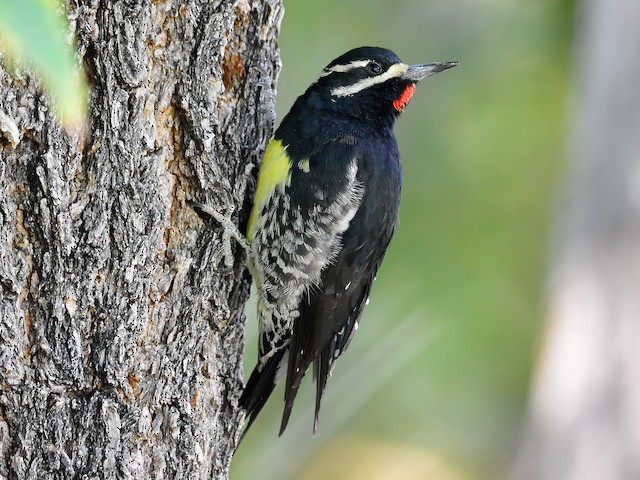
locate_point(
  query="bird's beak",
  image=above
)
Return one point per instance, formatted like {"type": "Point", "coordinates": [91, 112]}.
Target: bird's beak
{"type": "Point", "coordinates": [415, 73]}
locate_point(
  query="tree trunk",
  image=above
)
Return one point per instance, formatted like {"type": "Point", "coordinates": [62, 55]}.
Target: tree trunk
{"type": "Point", "coordinates": [585, 412]}
{"type": "Point", "coordinates": [121, 328]}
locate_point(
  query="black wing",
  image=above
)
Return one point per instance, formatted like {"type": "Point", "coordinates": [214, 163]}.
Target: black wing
{"type": "Point", "coordinates": [330, 313]}
{"type": "Point", "coordinates": [315, 210]}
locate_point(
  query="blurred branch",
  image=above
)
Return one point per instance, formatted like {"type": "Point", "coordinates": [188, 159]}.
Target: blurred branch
{"type": "Point", "coordinates": [585, 410]}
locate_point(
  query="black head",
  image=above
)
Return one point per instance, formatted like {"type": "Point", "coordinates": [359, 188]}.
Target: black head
{"type": "Point", "coordinates": [369, 81]}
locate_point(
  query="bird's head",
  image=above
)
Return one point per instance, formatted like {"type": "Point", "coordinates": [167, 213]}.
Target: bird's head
{"type": "Point", "coordinates": [371, 80]}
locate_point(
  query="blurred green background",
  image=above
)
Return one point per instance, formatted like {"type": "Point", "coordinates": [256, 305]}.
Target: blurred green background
{"type": "Point", "coordinates": [434, 384]}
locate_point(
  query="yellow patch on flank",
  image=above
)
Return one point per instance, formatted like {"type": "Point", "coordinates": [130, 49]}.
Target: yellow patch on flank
{"type": "Point", "coordinates": [275, 171]}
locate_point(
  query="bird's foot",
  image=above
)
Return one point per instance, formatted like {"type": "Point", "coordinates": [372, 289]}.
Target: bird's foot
{"type": "Point", "coordinates": [229, 230]}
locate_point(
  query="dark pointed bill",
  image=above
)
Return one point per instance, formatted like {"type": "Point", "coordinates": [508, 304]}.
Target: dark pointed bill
{"type": "Point", "coordinates": [419, 72]}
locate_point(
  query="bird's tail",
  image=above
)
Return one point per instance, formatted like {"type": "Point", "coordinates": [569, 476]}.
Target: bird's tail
{"type": "Point", "coordinates": [259, 387]}
{"type": "Point", "coordinates": [321, 372]}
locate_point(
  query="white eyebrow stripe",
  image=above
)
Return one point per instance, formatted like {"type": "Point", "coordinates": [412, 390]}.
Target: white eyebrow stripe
{"type": "Point", "coordinates": [395, 70]}
{"type": "Point", "coordinates": [349, 66]}
{"type": "Point", "coordinates": [344, 68]}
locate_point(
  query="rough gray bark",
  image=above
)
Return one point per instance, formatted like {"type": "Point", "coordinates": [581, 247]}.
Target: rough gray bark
{"type": "Point", "coordinates": [585, 412]}
{"type": "Point", "coordinates": [121, 329]}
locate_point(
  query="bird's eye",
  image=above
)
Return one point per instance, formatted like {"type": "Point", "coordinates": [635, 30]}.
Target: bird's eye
{"type": "Point", "coordinates": [375, 67]}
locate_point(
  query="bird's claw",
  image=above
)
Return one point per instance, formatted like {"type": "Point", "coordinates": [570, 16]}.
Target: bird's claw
{"type": "Point", "coordinates": [229, 230]}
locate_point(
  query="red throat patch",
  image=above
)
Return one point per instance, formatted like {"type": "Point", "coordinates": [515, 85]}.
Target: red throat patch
{"type": "Point", "coordinates": [401, 102]}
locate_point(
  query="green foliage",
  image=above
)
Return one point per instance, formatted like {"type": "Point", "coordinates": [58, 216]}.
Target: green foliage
{"type": "Point", "coordinates": [444, 354]}
{"type": "Point", "coordinates": [32, 34]}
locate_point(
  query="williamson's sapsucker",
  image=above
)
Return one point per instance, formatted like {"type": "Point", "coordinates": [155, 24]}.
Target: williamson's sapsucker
{"type": "Point", "coordinates": [325, 209]}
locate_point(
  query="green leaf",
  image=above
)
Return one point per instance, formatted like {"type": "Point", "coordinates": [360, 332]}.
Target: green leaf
{"type": "Point", "coordinates": [33, 35]}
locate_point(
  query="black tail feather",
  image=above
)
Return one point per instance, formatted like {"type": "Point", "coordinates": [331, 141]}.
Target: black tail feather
{"type": "Point", "coordinates": [291, 390]}
{"type": "Point", "coordinates": [322, 370]}
{"type": "Point", "coordinates": [300, 356]}
{"type": "Point", "coordinates": [259, 387]}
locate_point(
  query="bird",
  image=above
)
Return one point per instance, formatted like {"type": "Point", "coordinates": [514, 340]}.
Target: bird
{"type": "Point", "coordinates": [325, 209]}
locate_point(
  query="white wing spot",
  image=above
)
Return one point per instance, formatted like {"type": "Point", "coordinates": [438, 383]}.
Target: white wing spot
{"type": "Point", "coordinates": [304, 165]}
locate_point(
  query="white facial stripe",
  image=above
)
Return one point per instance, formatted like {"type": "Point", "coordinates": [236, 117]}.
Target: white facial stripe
{"type": "Point", "coordinates": [394, 71]}
{"type": "Point", "coordinates": [344, 68]}
{"type": "Point", "coordinates": [349, 66]}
